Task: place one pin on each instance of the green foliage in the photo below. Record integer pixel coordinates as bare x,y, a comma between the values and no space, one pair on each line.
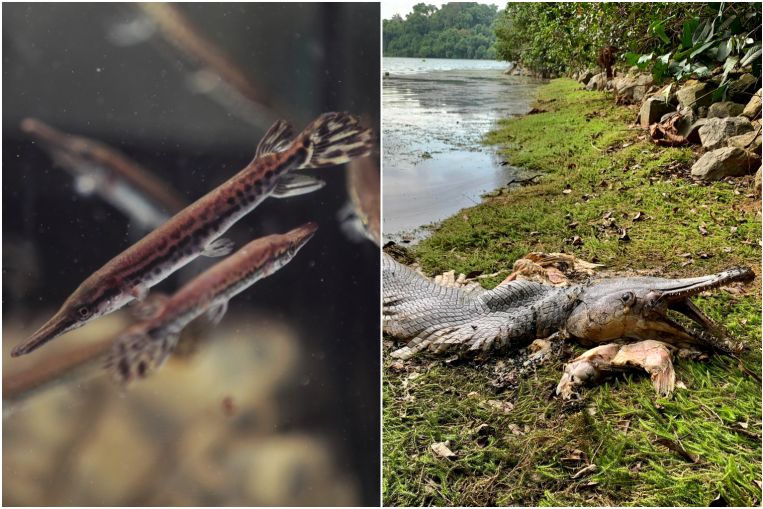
671,38
722,38
458,30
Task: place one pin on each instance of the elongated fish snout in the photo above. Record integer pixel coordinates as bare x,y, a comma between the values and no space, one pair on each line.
59,324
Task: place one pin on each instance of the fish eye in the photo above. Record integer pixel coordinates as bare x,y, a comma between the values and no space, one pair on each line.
627,297
83,312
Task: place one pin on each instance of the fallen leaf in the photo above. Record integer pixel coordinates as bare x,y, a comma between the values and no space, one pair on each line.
567,191
702,229
575,456
515,430
502,406
585,471
638,217
442,450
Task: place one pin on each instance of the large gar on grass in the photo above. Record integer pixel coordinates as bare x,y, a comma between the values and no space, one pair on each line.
331,139
441,319
143,347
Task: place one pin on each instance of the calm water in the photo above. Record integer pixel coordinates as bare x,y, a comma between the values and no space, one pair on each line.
436,112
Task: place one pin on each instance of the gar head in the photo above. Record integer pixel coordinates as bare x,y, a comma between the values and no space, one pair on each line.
637,308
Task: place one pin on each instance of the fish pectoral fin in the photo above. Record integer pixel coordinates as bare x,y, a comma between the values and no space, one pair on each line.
215,313
277,138
150,307
139,292
295,185
218,247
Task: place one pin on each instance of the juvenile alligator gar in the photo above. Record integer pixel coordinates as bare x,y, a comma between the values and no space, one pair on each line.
331,139
361,217
143,348
439,319
100,169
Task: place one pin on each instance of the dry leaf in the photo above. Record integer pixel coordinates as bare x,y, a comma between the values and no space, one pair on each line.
442,450
502,406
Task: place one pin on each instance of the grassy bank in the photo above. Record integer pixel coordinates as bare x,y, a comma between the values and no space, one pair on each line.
540,452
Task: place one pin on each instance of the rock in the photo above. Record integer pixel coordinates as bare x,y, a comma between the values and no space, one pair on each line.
632,89
666,93
741,90
695,94
598,82
749,141
757,183
725,109
752,110
585,76
652,110
716,131
724,162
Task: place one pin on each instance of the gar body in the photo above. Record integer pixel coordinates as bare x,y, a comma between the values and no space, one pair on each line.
331,139
143,347
441,319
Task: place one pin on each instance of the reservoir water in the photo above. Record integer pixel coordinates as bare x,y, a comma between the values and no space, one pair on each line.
435,113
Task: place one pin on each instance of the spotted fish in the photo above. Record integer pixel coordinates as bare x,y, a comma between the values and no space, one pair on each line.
331,139
143,347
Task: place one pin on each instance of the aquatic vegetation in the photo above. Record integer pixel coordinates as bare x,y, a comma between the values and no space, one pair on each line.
529,448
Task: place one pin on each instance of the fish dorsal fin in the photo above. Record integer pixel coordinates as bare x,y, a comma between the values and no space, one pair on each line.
277,138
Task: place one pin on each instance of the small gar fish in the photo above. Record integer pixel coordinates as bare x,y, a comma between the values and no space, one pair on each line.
331,139
99,169
143,347
360,217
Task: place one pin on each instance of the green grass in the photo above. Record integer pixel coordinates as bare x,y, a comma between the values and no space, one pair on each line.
584,141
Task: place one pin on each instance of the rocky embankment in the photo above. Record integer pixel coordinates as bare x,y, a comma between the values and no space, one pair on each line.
687,113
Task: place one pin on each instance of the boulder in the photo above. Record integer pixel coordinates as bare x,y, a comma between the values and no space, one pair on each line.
632,89
716,131
695,94
724,162
585,76
725,109
666,93
740,90
757,183
598,82
752,110
652,111
749,141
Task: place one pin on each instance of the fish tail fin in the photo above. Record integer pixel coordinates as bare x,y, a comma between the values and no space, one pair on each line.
136,354
335,138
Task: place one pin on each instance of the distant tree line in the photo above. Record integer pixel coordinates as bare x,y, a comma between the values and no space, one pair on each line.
457,30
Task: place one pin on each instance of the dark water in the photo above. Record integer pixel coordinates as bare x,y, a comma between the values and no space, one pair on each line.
435,115
279,405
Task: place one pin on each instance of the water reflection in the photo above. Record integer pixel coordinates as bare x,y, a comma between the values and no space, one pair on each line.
435,115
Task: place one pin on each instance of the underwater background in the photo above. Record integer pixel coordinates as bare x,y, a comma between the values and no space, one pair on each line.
279,403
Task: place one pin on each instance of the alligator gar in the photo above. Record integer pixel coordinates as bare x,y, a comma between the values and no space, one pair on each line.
143,347
102,170
331,139
441,319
